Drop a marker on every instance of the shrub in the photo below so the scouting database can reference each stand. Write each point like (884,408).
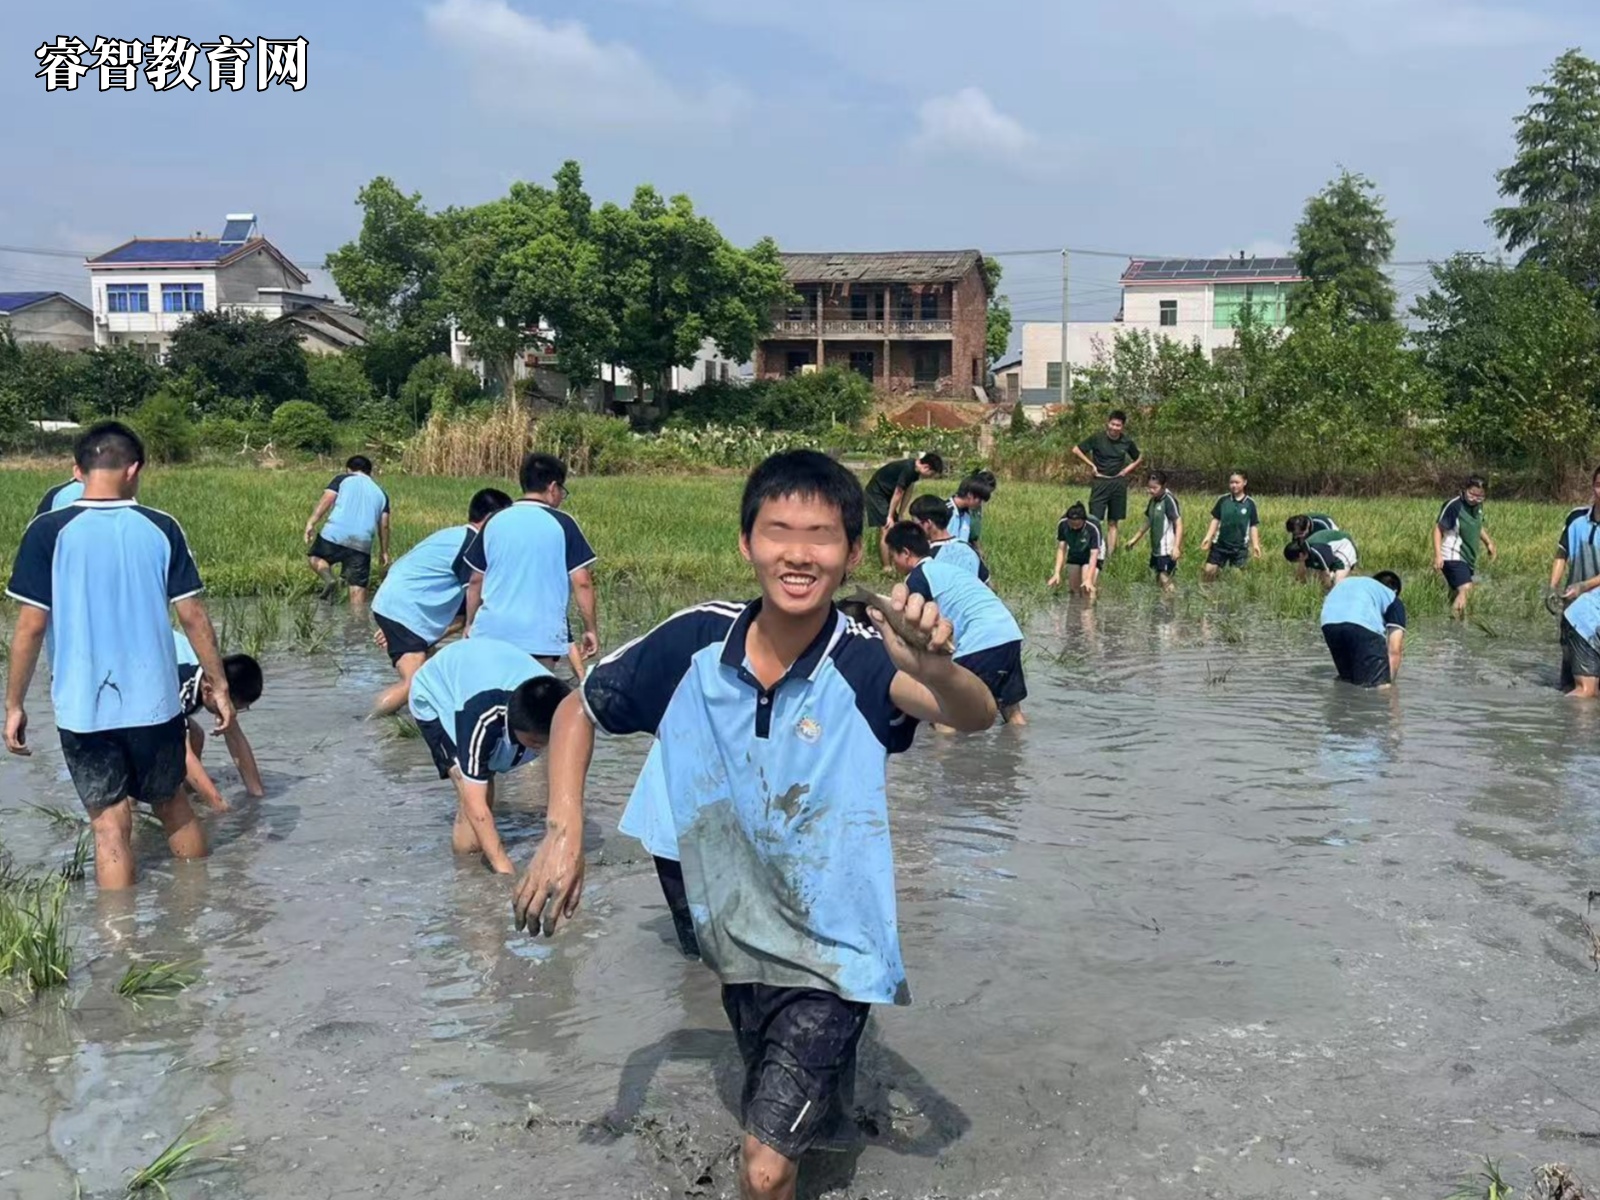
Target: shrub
(436,384)
(337,385)
(814,402)
(163,422)
(228,435)
(301,425)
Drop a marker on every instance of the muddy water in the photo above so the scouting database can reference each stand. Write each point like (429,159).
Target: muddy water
(1209,926)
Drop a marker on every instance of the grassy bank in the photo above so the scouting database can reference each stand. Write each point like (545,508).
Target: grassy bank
(668,540)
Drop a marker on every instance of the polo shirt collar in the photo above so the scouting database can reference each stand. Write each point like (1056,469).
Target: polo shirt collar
(810,660)
(83,503)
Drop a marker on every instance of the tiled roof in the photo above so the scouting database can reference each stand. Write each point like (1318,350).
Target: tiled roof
(1211,270)
(14,301)
(899,266)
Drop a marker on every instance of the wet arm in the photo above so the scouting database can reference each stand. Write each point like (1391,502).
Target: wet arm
(383,535)
(324,503)
(583,592)
(1488,544)
(196,777)
(25,645)
(1061,560)
(245,759)
(945,694)
(554,879)
(1397,649)
(474,795)
(197,628)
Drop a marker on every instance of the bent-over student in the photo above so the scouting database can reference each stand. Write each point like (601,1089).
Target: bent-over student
(195,692)
(1364,624)
(1079,548)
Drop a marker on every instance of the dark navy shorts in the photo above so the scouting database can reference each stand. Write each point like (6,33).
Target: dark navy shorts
(799,1051)
(1360,656)
(1457,575)
(1578,654)
(1000,668)
(146,762)
(402,641)
(1163,564)
(1108,498)
(355,566)
(439,745)
(1225,556)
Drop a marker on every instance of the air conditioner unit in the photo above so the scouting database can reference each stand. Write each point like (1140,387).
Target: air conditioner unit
(101,319)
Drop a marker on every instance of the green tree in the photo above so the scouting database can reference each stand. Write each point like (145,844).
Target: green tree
(670,281)
(46,382)
(436,383)
(1555,180)
(393,274)
(999,331)
(1341,245)
(238,357)
(165,428)
(336,384)
(119,378)
(1517,352)
(301,425)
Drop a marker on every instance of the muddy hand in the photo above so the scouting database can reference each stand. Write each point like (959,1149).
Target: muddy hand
(17,732)
(551,887)
(909,631)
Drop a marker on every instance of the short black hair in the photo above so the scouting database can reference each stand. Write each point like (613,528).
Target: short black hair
(1294,551)
(1389,580)
(908,536)
(358,462)
(931,508)
(1075,512)
(1471,481)
(988,477)
(244,678)
(1298,526)
(532,707)
(935,462)
(486,503)
(1116,414)
(1244,475)
(107,446)
(1157,477)
(539,471)
(809,475)
(973,486)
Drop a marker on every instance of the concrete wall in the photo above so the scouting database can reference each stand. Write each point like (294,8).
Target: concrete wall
(55,322)
(238,281)
(1141,309)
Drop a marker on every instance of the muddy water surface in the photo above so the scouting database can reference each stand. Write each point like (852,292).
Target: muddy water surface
(1209,926)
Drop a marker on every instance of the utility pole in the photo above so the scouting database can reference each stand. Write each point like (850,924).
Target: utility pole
(1066,364)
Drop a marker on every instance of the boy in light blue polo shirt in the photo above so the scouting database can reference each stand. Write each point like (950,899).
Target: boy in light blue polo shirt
(424,594)
(988,638)
(481,706)
(101,573)
(1580,639)
(60,496)
(774,722)
(195,692)
(528,564)
(1364,624)
(360,513)
(934,516)
(967,503)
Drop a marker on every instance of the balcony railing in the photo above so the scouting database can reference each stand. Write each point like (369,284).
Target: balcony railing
(807,327)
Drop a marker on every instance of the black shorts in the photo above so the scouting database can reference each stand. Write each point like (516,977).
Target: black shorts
(1360,656)
(355,566)
(1163,564)
(402,641)
(1000,668)
(1457,575)
(1075,560)
(799,1051)
(440,746)
(1227,556)
(146,762)
(1578,654)
(877,512)
(1108,499)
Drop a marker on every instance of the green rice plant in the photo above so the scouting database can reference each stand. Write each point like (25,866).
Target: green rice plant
(35,947)
(404,729)
(155,981)
(166,1166)
(1488,1184)
(76,868)
(62,819)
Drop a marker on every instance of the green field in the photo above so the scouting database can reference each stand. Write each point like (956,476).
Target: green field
(666,541)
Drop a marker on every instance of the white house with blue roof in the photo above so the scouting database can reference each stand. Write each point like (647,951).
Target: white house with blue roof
(47,319)
(148,287)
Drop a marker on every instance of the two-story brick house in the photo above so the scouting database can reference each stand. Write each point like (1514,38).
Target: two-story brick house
(907,320)
(146,288)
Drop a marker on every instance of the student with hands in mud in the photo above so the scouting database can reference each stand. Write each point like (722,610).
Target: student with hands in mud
(774,722)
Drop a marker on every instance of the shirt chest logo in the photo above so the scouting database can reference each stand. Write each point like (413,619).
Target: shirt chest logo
(808,730)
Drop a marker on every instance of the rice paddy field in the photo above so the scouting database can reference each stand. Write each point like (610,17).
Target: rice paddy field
(667,541)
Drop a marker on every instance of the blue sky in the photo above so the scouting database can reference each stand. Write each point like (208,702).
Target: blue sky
(1192,127)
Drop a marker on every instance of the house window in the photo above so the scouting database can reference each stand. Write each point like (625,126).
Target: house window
(1269,304)
(858,306)
(1052,376)
(861,362)
(1169,313)
(906,310)
(183,297)
(925,365)
(723,371)
(127,297)
(878,303)
(930,306)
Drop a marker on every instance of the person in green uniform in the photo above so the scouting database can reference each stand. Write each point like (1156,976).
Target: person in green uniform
(1299,528)
(1329,552)
(1234,537)
(1163,521)
(1111,456)
(1079,547)
(889,492)
(1456,535)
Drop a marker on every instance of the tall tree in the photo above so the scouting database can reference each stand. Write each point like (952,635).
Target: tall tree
(239,359)
(999,331)
(1555,180)
(1341,245)
(391,274)
(671,281)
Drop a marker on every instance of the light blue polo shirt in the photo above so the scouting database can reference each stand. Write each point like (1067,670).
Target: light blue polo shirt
(1579,544)
(527,554)
(776,796)
(960,527)
(648,815)
(465,687)
(354,519)
(961,554)
(424,590)
(1362,600)
(105,571)
(1583,614)
(981,621)
(60,496)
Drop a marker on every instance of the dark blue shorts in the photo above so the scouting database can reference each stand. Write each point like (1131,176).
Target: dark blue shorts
(146,763)
(1228,556)
(401,640)
(355,566)
(1360,656)
(1163,564)
(1457,575)
(1579,656)
(1000,668)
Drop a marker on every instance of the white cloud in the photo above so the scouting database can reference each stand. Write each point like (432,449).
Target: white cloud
(1381,25)
(556,71)
(967,122)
